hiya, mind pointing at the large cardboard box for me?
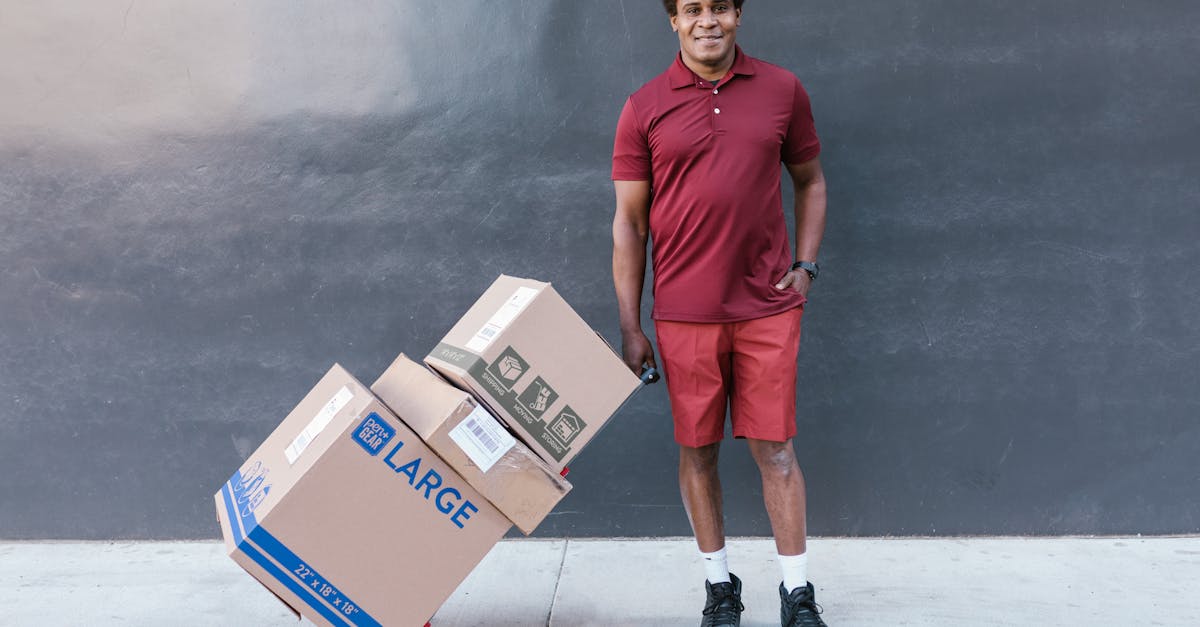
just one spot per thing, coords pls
(464, 434)
(349, 518)
(537, 365)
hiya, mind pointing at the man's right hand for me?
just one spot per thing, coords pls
(637, 351)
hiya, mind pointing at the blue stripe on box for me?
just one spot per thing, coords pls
(299, 590)
(311, 578)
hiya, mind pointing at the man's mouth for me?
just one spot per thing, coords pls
(709, 38)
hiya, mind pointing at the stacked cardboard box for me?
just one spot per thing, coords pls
(370, 506)
(469, 438)
(349, 518)
(536, 364)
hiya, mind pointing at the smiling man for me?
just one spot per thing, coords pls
(696, 168)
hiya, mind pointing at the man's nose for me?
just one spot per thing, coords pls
(708, 18)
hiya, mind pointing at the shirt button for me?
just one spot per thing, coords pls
(714, 91)
(717, 111)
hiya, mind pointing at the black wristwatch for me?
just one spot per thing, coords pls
(810, 267)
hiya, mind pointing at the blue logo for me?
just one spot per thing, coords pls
(373, 434)
(250, 488)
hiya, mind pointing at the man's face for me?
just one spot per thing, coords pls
(706, 30)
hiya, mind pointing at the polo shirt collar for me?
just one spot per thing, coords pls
(682, 76)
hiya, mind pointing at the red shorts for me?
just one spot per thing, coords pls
(751, 365)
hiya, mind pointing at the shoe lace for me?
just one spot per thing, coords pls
(723, 608)
(806, 614)
(809, 618)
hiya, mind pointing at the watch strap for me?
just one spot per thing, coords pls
(810, 267)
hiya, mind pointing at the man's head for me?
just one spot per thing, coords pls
(672, 6)
(706, 30)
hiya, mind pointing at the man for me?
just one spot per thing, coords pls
(696, 168)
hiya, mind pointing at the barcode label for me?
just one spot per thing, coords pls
(485, 439)
(484, 337)
(482, 438)
(317, 424)
(503, 316)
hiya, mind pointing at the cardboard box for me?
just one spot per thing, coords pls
(349, 518)
(473, 442)
(537, 365)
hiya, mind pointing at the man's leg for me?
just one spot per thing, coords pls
(700, 486)
(696, 362)
(763, 405)
(695, 358)
(783, 493)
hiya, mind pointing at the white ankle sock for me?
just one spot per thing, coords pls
(795, 570)
(716, 566)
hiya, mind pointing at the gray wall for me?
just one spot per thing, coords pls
(207, 204)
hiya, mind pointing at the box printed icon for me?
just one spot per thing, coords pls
(250, 488)
(566, 426)
(538, 397)
(508, 367)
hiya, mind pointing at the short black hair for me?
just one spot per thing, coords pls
(672, 6)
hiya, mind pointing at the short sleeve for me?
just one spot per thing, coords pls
(801, 143)
(631, 149)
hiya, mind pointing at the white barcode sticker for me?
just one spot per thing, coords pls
(507, 312)
(317, 424)
(482, 438)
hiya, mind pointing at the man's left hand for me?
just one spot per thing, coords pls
(797, 280)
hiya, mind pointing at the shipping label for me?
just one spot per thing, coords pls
(501, 319)
(317, 424)
(482, 438)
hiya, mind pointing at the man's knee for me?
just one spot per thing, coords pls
(775, 459)
(699, 459)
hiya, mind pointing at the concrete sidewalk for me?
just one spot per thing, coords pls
(860, 582)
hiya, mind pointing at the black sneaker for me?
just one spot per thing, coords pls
(724, 606)
(799, 608)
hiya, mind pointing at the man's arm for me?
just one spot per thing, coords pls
(808, 181)
(631, 228)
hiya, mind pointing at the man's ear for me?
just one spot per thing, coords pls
(674, 27)
(738, 12)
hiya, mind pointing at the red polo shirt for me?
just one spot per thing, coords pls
(712, 156)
